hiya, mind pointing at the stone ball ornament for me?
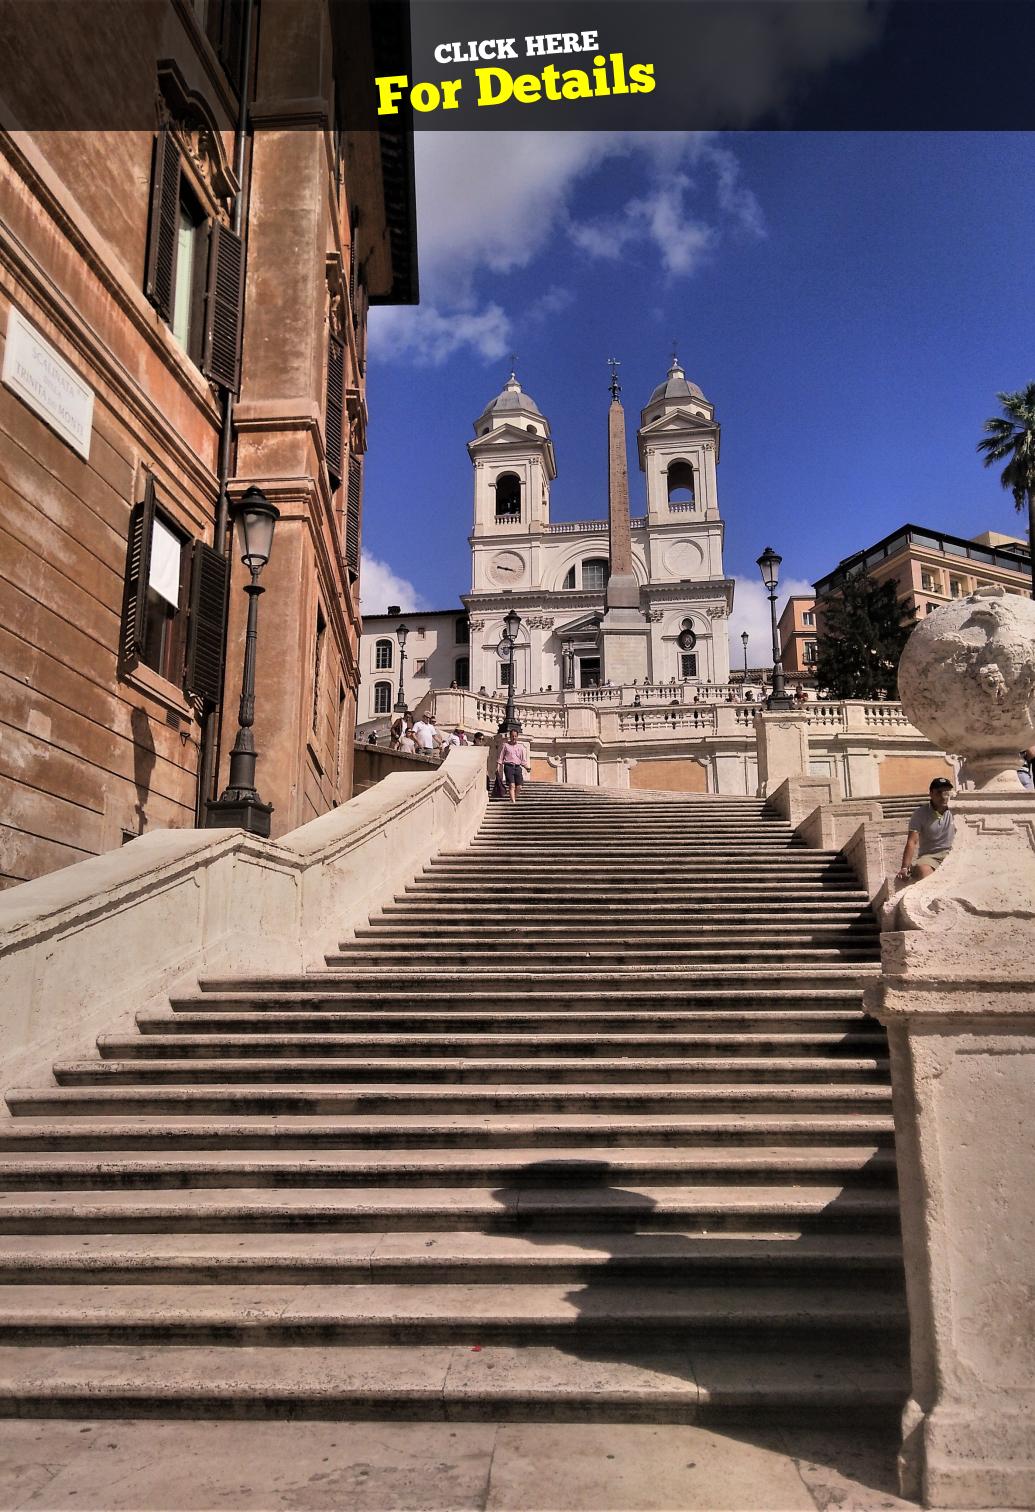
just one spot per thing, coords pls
(967, 681)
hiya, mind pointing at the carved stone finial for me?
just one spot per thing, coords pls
(967, 680)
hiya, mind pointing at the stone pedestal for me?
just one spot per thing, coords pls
(958, 999)
(783, 748)
(624, 646)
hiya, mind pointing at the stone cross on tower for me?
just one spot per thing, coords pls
(623, 630)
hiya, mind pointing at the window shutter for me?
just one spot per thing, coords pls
(209, 583)
(353, 506)
(334, 423)
(138, 571)
(165, 210)
(224, 303)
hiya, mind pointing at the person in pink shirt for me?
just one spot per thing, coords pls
(513, 763)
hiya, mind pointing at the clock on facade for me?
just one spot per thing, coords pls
(506, 568)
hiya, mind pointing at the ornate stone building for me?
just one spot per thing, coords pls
(556, 573)
(184, 283)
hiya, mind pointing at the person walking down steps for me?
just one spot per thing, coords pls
(513, 763)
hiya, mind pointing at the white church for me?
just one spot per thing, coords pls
(618, 600)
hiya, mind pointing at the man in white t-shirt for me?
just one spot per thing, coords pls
(426, 736)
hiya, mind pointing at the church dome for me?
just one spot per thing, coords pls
(510, 400)
(676, 386)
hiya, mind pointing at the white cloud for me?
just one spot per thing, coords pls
(490, 203)
(751, 613)
(429, 337)
(379, 586)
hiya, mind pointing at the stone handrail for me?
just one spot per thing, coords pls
(85, 947)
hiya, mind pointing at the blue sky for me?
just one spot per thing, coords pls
(849, 303)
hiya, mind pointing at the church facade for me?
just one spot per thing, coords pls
(671, 623)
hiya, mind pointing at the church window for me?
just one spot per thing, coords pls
(382, 698)
(463, 631)
(504, 675)
(382, 655)
(462, 672)
(681, 483)
(595, 573)
(688, 664)
(569, 579)
(508, 496)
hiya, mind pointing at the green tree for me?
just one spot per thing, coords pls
(1011, 439)
(862, 630)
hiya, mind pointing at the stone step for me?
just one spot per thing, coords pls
(413, 1258)
(618, 895)
(392, 1099)
(432, 926)
(704, 1206)
(663, 872)
(649, 1165)
(637, 913)
(434, 1312)
(753, 1382)
(218, 993)
(256, 1039)
(513, 985)
(71, 1130)
(505, 953)
(628, 1070)
(213, 1016)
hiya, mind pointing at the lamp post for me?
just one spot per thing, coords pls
(401, 632)
(239, 805)
(505, 648)
(769, 566)
(744, 643)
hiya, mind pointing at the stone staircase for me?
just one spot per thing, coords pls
(587, 1124)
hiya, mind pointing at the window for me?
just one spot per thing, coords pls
(164, 618)
(158, 632)
(420, 667)
(930, 608)
(508, 496)
(688, 664)
(595, 573)
(462, 672)
(382, 655)
(681, 483)
(811, 653)
(589, 672)
(195, 264)
(382, 698)
(321, 634)
(504, 674)
(462, 632)
(569, 579)
(808, 617)
(930, 581)
(957, 587)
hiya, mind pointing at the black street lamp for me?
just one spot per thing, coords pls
(401, 632)
(744, 643)
(505, 648)
(769, 566)
(239, 806)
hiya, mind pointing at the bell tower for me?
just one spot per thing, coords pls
(678, 442)
(513, 459)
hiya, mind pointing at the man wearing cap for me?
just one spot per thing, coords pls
(932, 829)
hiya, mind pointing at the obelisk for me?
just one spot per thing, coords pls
(624, 634)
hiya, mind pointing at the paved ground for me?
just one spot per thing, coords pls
(439, 1467)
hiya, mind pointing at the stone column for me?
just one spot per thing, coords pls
(958, 999)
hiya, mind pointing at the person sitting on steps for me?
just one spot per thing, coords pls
(932, 830)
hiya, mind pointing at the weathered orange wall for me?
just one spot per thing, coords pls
(670, 776)
(911, 774)
(542, 771)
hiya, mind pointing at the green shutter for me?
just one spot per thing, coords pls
(206, 630)
(138, 570)
(224, 305)
(335, 416)
(164, 225)
(353, 511)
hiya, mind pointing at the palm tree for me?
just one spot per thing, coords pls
(1011, 439)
